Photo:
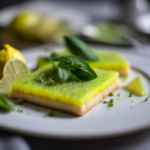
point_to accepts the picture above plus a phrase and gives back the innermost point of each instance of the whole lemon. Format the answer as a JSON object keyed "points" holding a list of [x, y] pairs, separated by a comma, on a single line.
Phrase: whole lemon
{"points": [[7, 52]]}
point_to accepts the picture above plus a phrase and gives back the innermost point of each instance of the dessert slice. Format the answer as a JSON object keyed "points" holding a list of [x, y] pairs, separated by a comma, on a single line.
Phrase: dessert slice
{"points": [[45, 88], [110, 60]]}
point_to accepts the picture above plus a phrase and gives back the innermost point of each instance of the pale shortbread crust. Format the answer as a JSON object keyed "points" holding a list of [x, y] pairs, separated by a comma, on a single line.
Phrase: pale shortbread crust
{"points": [[81, 110], [124, 72]]}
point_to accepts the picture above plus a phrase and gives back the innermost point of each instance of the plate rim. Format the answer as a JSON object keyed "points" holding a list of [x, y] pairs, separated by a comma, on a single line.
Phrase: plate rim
{"points": [[132, 130]]}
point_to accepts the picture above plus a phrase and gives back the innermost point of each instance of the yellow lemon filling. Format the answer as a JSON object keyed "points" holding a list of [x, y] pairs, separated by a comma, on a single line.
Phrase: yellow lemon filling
{"points": [[107, 60], [72, 92]]}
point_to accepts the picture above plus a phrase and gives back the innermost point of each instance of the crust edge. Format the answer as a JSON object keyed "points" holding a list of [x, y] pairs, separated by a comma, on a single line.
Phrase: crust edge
{"points": [[79, 111]]}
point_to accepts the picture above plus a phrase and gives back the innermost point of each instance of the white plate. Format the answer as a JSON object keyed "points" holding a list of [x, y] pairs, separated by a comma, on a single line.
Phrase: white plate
{"points": [[55, 9], [98, 122]]}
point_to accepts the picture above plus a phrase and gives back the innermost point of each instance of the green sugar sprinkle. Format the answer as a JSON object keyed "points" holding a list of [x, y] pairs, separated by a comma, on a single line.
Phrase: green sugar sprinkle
{"points": [[51, 113], [111, 94], [20, 100], [130, 94], [109, 108], [146, 99]]}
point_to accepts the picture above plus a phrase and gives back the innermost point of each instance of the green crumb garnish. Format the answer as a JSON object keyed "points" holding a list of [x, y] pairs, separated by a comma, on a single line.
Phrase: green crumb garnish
{"points": [[19, 110], [146, 99], [116, 102], [110, 105], [51, 113], [131, 107], [118, 98], [45, 116], [118, 112], [130, 94], [111, 94], [134, 100], [109, 108], [111, 100], [28, 113], [122, 99], [126, 99], [124, 79], [20, 100], [38, 109], [118, 94], [105, 102]]}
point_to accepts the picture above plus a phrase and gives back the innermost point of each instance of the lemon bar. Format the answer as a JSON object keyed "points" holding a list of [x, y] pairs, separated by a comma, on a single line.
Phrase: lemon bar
{"points": [[110, 60], [45, 88]]}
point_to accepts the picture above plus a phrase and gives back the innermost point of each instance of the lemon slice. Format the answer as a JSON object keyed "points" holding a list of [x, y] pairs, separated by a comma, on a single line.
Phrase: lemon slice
{"points": [[7, 53], [5, 84], [136, 86], [15, 67]]}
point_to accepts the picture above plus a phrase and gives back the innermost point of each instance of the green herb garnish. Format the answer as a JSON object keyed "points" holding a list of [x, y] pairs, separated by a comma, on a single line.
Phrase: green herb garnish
{"points": [[124, 79], [146, 99], [111, 94], [19, 110], [118, 94], [5, 103], [72, 66], [38, 109], [110, 105], [79, 48], [51, 113], [20, 100], [111, 100], [105, 102], [130, 94]]}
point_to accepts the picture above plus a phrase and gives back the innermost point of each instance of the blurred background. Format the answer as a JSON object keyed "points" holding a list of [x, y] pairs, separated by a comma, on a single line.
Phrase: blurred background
{"points": [[31, 23]]}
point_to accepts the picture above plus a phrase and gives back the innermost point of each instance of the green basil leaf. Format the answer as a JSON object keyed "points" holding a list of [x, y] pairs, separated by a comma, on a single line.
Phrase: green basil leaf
{"points": [[83, 74], [73, 62], [56, 56], [52, 61], [79, 48], [63, 74], [5, 103]]}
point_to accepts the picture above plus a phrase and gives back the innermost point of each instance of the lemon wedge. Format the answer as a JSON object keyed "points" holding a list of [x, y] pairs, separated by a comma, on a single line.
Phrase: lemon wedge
{"points": [[136, 86], [14, 69]]}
